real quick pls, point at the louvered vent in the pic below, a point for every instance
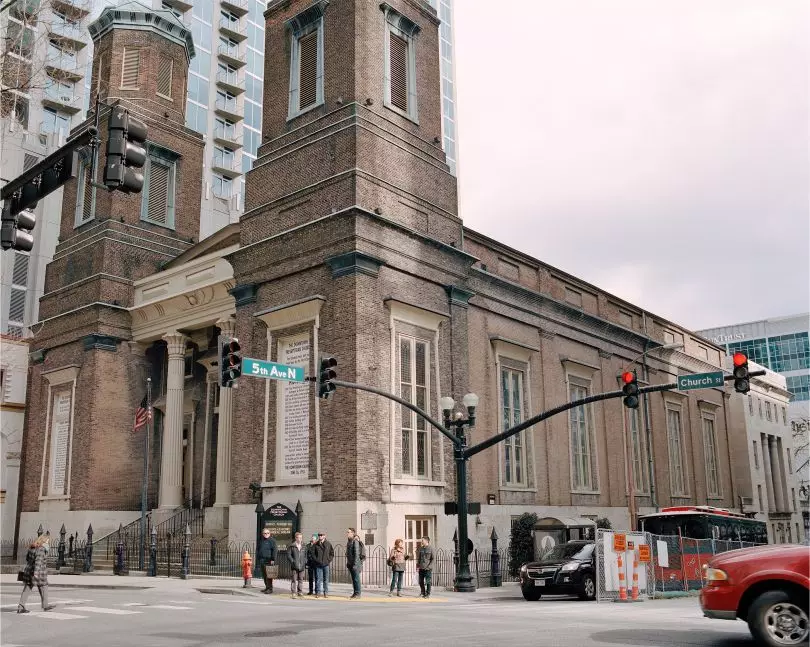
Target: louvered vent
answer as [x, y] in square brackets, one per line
[130, 68]
[87, 194]
[20, 273]
[29, 161]
[16, 305]
[309, 70]
[399, 72]
[158, 207]
[164, 79]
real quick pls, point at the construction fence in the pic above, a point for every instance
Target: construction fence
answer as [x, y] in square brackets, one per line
[675, 563]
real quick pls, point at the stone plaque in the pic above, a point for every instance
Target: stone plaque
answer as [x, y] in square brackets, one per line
[293, 421]
[368, 521]
[60, 434]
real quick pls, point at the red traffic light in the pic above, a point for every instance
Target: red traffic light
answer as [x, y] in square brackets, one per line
[628, 377]
[740, 359]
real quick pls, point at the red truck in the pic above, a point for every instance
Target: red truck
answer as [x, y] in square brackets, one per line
[766, 586]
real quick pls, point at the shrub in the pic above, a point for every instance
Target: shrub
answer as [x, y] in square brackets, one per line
[521, 542]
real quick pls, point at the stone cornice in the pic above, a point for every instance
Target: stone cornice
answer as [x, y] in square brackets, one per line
[354, 262]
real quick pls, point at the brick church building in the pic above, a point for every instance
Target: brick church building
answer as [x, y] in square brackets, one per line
[351, 244]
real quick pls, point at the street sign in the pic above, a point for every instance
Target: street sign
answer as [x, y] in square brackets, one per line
[619, 542]
[643, 553]
[272, 370]
[700, 381]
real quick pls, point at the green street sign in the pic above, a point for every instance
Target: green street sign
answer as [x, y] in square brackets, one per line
[700, 381]
[272, 370]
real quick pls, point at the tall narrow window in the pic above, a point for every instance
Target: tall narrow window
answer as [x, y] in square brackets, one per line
[675, 441]
[84, 195]
[164, 77]
[756, 456]
[514, 454]
[710, 452]
[306, 68]
[130, 68]
[157, 203]
[400, 63]
[414, 364]
[583, 458]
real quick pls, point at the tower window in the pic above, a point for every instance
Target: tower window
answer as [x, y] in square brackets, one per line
[130, 67]
[157, 203]
[164, 78]
[306, 68]
[400, 63]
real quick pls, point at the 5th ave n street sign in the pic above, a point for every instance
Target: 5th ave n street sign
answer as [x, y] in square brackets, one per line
[272, 370]
[700, 381]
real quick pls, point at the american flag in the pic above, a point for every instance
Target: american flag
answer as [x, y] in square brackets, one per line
[142, 414]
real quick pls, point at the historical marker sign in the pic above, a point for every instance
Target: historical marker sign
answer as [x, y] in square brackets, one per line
[282, 523]
[700, 381]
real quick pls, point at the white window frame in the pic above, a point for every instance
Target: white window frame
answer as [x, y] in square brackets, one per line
[587, 483]
[413, 428]
[709, 435]
[171, 203]
[683, 491]
[294, 107]
[416, 527]
[59, 381]
[401, 26]
[81, 187]
[518, 441]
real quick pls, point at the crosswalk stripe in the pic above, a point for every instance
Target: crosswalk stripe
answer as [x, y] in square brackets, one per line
[67, 601]
[169, 606]
[114, 612]
[134, 604]
[54, 615]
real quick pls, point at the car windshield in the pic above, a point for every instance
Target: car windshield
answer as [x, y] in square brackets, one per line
[570, 551]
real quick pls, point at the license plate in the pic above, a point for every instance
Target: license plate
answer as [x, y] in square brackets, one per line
[539, 582]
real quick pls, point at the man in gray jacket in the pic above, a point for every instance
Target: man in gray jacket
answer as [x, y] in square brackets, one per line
[424, 563]
[297, 555]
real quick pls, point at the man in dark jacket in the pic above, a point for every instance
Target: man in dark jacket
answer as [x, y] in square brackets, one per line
[297, 555]
[353, 562]
[311, 568]
[324, 554]
[424, 564]
[266, 556]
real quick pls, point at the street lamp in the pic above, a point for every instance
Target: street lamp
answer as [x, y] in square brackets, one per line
[464, 581]
[647, 431]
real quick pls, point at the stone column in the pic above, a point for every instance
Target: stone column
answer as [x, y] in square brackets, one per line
[766, 464]
[781, 480]
[775, 480]
[223, 488]
[171, 460]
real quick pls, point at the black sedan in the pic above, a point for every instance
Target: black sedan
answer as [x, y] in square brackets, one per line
[567, 569]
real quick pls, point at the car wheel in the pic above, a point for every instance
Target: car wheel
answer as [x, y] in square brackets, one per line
[588, 591]
[531, 595]
[776, 620]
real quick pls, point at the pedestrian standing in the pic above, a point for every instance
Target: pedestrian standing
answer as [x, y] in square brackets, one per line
[247, 569]
[424, 564]
[36, 573]
[298, 562]
[266, 554]
[354, 561]
[324, 554]
[396, 560]
[311, 568]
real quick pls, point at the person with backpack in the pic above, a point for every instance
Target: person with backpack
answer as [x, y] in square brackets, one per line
[396, 560]
[355, 554]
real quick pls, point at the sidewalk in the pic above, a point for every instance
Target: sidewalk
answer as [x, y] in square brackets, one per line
[233, 586]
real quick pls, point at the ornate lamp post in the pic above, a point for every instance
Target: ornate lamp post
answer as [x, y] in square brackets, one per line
[464, 581]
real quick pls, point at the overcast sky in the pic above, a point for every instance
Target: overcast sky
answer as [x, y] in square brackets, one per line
[642, 144]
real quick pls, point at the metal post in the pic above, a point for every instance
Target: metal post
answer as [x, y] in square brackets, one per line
[464, 581]
[39, 530]
[259, 512]
[70, 545]
[495, 577]
[168, 553]
[153, 554]
[60, 555]
[186, 554]
[213, 558]
[145, 484]
[455, 549]
[88, 551]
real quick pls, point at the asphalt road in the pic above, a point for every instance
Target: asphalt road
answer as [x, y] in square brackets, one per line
[146, 618]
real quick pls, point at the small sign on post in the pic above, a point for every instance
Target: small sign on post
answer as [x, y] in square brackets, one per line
[643, 553]
[619, 542]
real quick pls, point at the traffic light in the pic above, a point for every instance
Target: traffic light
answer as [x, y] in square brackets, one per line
[230, 362]
[126, 152]
[16, 230]
[630, 389]
[326, 374]
[741, 384]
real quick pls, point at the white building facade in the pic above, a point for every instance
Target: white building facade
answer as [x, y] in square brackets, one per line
[13, 381]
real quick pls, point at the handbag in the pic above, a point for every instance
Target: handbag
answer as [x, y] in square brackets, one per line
[390, 562]
[21, 575]
[271, 571]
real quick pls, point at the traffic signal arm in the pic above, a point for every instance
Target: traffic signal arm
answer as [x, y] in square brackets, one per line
[730, 377]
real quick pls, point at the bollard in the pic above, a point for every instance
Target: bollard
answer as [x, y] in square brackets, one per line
[121, 567]
[186, 554]
[153, 554]
[634, 590]
[622, 587]
[213, 558]
[495, 577]
[60, 554]
[88, 551]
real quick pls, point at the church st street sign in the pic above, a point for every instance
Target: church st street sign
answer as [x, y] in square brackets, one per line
[700, 381]
[272, 370]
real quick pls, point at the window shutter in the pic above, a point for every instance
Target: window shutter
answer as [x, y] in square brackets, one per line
[20, 273]
[399, 72]
[158, 206]
[16, 306]
[29, 161]
[164, 79]
[130, 68]
[87, 194]
[308, 79]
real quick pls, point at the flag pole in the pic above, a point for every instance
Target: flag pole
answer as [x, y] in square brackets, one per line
[145, 484]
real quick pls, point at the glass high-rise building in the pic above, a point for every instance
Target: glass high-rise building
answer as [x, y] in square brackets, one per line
[446, 41]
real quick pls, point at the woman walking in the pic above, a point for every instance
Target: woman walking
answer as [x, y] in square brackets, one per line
[36, 572]
[396, 560]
